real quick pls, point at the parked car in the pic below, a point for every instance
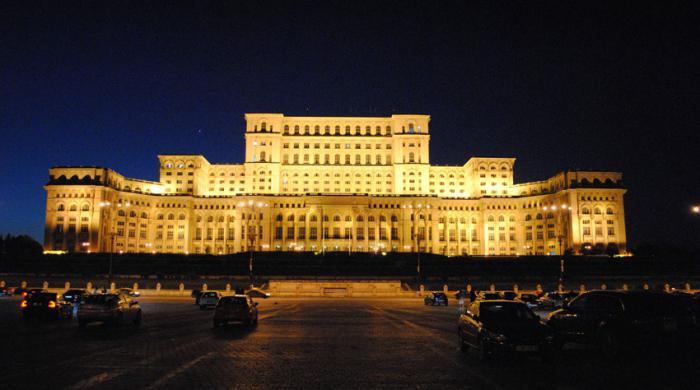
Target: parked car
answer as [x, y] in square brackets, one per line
[529, 299]
[257, 293]
[237, 308]
[617, 321]
[46, 305]
[5, 292]
[435, 298]
[19, 291]
[34, 291]
[503, 326]
[129, 292]
[75, 295]
[208, 299]
[509, 295]
[116, 308]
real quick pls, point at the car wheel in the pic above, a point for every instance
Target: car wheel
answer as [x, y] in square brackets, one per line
[484, 354]
[462, 345]
[609, 343]
[137, 319]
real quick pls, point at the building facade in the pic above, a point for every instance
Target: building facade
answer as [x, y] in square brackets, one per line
[334, 184]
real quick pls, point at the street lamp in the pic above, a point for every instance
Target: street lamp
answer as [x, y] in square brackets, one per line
[252, 237]
[564, 208]
[695, 209]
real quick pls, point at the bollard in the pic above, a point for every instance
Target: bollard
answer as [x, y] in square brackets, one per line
[645, 286]
[67, 285]
[625, 287]
[421, 290]
[560, 288]
[687, 287]
[2, 283]
[469, 288]
[444, 288]
[204, 287]
[492, 287]
[228, 287]
[603, 286]
[181, 287]
[582, 288]
[45, 285]
[23, 284]
[88, 287]
[515, 288]
[136, 287]
[667, 287]
[158, 286]
[539, 289]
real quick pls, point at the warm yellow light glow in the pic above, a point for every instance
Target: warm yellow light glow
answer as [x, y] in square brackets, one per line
[696, 209]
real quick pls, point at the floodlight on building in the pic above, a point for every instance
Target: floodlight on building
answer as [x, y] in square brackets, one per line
[696, 209]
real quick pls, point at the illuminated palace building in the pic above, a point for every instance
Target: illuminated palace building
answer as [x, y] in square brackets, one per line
[334, 184]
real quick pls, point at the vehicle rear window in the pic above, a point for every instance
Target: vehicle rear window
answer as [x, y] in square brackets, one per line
[42, 297]
[655, 305]
[100, 299]
[504, 311]
[233, 301]
[209, 295]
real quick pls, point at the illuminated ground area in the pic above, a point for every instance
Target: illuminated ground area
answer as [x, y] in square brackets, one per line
[321, 343]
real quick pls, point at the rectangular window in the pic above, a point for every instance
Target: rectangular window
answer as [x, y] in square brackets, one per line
[278, 233]
[290, 233]
[302, 233]
[210, 233]
[336, 232]
[348, 233]
[586, 231]
[198, 234]
[528, 236]
[312, 233]
[370, 233]
[231, 234]
[220, 233]
[611, 231]
[394, 233]
[360, 233]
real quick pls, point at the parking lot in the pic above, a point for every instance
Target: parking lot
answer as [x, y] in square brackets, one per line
[317, 343]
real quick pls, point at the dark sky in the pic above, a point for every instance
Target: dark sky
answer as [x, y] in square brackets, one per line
[557, 85]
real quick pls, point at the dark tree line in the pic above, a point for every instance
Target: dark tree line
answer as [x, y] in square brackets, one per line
[21, 245]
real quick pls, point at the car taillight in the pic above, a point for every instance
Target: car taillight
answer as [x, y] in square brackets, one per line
[24, 294]
[23, 304]
[52, 305]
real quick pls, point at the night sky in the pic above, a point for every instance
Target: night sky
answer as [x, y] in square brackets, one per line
[557, 85]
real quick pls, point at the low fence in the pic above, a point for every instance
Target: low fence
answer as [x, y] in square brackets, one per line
[344, 288]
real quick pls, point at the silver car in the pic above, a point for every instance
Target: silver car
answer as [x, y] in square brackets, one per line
[115, 309]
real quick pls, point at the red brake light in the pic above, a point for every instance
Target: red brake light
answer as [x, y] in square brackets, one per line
[23, 304]
[24, 294]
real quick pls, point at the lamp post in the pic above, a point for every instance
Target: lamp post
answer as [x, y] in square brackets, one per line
[560, 210]
[252, 237]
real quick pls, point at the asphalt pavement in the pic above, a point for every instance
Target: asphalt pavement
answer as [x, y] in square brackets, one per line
[298, 343]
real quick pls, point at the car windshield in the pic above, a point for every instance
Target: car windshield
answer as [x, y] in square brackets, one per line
[509, 295]
[504, 311]
[101, 299]
[492, 296]
[237, 301]
[42, 297]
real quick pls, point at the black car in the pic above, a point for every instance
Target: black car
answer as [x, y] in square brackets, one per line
[196, 294]
[503, 326]
[75, 295]
[4, 291]
[618, 321]
[436, 299]
[46, 305]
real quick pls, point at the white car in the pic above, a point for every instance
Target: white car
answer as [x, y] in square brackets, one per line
[208, 299]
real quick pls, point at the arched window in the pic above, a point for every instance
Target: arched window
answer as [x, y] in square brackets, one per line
[278, 218]
[286, 129]
[394, 218]
[73, 207]
[171, 217]
[336, 218]
[359, 218]
[370, 218]
[325, 218]
[411, 157]
[347, 159]
[490, 218]
[347, 130]
[60, 207]
[609, 211]
[379, 159]
[144, 215]
[585, 210]
[596, 211]
[160, 217]
[306, 129]
[296, 129]
[85, 207]
[388, 130]
[199, 218]
[302, 218]
[501, 218]
[210, 219]
[368, 130]
[262, 156]
[337, 130]
[290, 218]
[382, 218]
[348, 218]
[221, 218]
[132, 214]
[121, 213]
[357, 130]
[312, 218]
[410, 128]
[317, 130]
[538, 216]
[550, 215]
[263, 126]
[512, 218]
[528, 217]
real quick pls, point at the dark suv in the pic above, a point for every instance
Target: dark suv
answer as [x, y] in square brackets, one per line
[436, 298]
[618, 320]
